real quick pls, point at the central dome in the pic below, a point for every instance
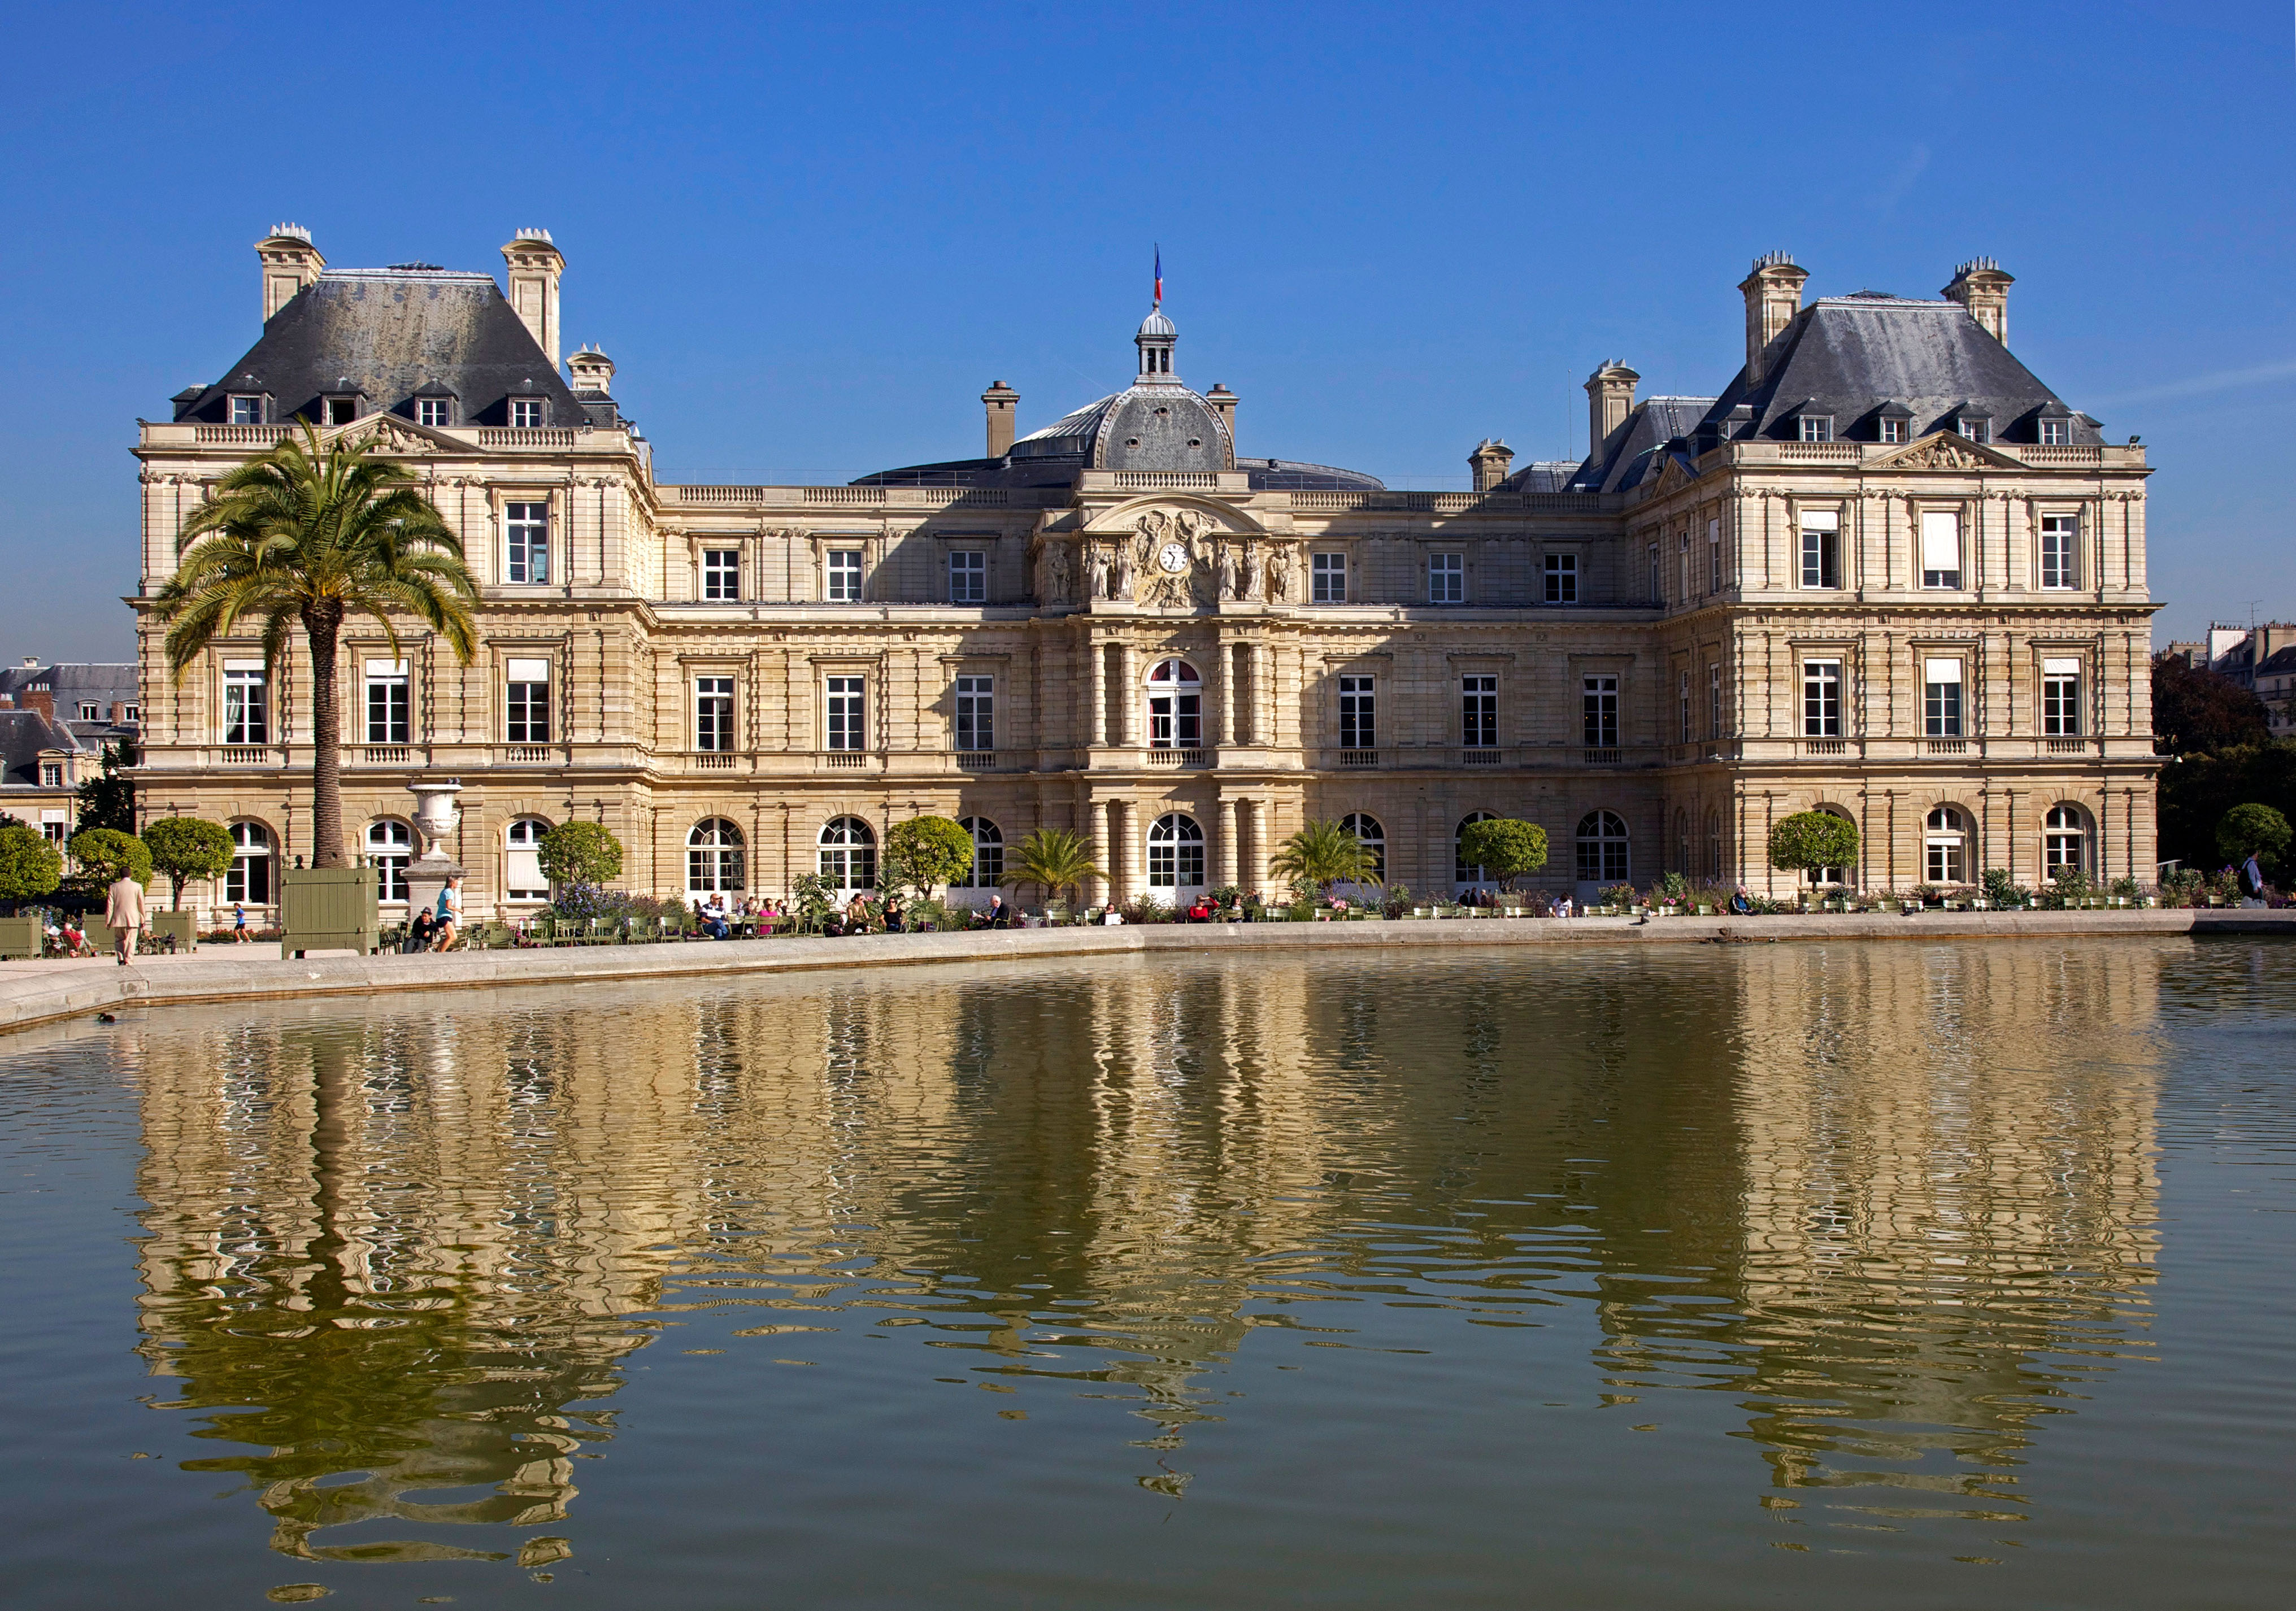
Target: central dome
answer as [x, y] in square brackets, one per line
[1146, 427]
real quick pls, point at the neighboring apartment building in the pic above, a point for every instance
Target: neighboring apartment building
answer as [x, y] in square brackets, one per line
[54, 723]
[2260, 658]
[1885, 572]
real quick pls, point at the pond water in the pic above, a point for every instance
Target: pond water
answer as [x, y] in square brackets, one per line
[1923, 1274]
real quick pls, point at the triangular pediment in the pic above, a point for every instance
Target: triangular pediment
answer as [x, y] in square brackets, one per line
[1674, 476]
[1946, 450]
[391, 434]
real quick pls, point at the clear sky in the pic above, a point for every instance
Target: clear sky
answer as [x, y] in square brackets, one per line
[810, 235]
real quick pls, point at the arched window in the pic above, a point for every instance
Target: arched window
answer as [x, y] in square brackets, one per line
[848, 855]
[389, 844]
[1176, 707]
[1831, 875]
[522, 879]
[2064, 843]
[1602, 847]
[1372, 837]
[1462, 872]
[249, 879]
[1176, 853]
[1946, 845]
[1714, 844]
[713, 858]
[987, 853]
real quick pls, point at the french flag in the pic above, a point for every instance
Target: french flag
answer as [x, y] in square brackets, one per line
[1159, 276]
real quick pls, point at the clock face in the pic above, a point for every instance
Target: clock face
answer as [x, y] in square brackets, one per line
[1174, 559]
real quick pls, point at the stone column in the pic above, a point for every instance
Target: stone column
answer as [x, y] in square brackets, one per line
[1229, 862]
[1223, 668]
[1128, 697]
[1254, 824]
[1123, 858]
[1096, 724]
[1261, 709]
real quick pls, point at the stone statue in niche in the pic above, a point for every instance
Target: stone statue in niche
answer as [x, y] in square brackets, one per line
[1120, 583]
[1096, 570]
[1254, 575]
[1279, 574]
[1226, 562]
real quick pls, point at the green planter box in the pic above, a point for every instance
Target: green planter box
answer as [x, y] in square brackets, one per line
[327, 909]
[20, 938]
[183, 925]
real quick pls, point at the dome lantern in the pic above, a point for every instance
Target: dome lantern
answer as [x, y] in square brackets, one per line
[1155, 339]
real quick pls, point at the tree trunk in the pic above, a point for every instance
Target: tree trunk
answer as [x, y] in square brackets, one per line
[322, 622]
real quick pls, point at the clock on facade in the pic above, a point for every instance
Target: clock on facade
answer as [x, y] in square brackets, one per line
[1174, 559]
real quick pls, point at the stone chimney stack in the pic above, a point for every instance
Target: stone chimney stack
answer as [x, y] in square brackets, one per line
[1223, 401]
[1610, 399]
[591, 370]
[535, 266]
[41, 698]
[1002, 402]
[289, 263]
[1979, 286]
[1489, 461]
[1773, 298]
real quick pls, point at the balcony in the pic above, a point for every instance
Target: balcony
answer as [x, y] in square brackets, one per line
[1486, 755]
[529, 436]
[525, 754]
[1826, 747]
[386, 754]
[976, 760]
[714, 760]
[1945, 746]
[845, 760]
[1604, 756]
[2066, 747]
[248, 755]
[1188, 760]
[1358, 757]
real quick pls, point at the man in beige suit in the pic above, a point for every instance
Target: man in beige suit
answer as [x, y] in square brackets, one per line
[123, 910]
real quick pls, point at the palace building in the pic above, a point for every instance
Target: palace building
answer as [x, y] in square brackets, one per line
[1885, 572]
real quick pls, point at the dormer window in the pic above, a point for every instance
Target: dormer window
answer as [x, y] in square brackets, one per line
[1893, 431]
[1818, 428]
[1977, 427]
[2056, 433]
[432, 410]
[526, 413]
[338, 410]
[246, 408]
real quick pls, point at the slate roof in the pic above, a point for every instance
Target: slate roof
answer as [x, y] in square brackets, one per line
[102, 684]
[1857, 359]
[23, 734]
[394, 332]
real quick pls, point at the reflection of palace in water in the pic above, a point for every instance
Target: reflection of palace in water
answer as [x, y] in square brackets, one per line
[400, 1260]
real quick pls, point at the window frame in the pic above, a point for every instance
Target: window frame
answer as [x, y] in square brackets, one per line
[974, 724]
[526, 414]
[987, 869]
[968, 575]
[721, 575]
[392, 723]
[1891, 432]
[1447, 578]
[844, 575]
[1180, 725]
[1612, 853]
[845, 854]
[845, 713]
[1945, 846]
[1945, 701]
[1815, 427]
[1561, 579]
[2060, 697]
[1940, 579]
[253, 850]
[248, 408]
[1820, 531]
[1327, 577]
[526, 540]
[713, 713]
[2058, 551]
[1478, 711]
[717, 858]
[1598, 710]
[1172, 857]
[1358, 710]
[1821, 697]
[246, 704]
[437, 413]
[2055, 433]
[390, 857]
[522, 724]
[529, 844]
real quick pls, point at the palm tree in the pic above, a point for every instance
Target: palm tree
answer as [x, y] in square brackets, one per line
[1050, 856]
[1324, 854]
[314, 532]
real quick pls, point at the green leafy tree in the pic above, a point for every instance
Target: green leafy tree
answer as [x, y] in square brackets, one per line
[580, 854]
[103, 855]
[2196, 791]
[1052, 857]
[2253, 827]
[30, 865]
[2199, 712]
[108, 799]
[317, 533]
[925, 853]
[184, 848]
[1811, 839]
[1506, 847]
[1324, 854]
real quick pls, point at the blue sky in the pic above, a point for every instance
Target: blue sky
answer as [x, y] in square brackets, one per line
[810, 235]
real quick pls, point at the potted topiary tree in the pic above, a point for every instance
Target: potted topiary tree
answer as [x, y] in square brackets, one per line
[184, 848]
[1811, 839]
[29, 868]
[1506, 847]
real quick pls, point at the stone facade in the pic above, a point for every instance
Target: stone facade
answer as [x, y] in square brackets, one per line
[1119, 626]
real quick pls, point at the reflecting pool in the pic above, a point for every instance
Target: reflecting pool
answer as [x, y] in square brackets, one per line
[1692, 1276]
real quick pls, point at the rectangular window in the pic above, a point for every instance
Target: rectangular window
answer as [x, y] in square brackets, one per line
[247, 411]
[1941, 549]
[1561, 579]
[1821, 698]
[713, 714]
[2060, 550]
[976, 713]
[721, 573]
[1714, 556]
[526, 701]
[1355, 713]
[1977, 427]
[246, 711]
[1685, 692]
[526, 413]
[528, 529]
[845, 576]
[1821, 548]
[340, 410]
[90, 711]
[2060, 686]
[431, 411]
[1893, 431]
[390, 703]
[1329, 571]
[1818, 428]
[968, 575]
[845, 722]
[1942, 698]
[2056, 433]
[52, 774]
[131, 712]
[1478, 712]
[1447, 578]
[1713, 699]
[1599, 706]
[55, 829]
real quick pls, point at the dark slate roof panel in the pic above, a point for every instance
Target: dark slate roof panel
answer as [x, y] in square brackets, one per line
[393, 331]
[23, 734]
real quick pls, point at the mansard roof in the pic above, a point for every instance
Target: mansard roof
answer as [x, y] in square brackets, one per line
[1635, 453]
[396, 333]
[23, 735]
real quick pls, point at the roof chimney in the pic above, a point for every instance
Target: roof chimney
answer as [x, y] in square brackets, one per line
[1001, 400]
[289, 263]
[535, 266]
[1489, 461]
[1223, 401]
[1979, 286]
[1773, 293]
[1610, 399]
[593, 370]
[40, 697]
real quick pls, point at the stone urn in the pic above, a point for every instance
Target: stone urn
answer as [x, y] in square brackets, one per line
[436, 815]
